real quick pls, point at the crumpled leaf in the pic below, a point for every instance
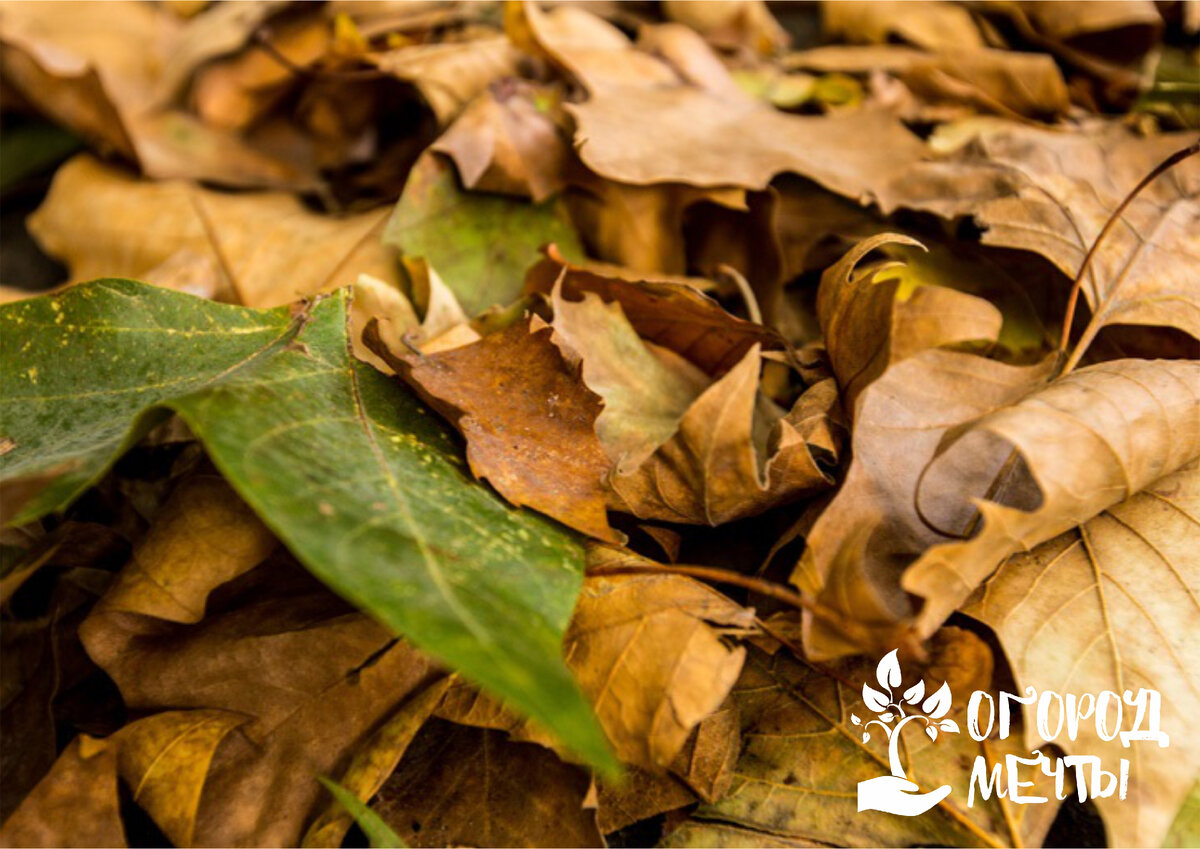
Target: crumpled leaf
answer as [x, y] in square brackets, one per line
[645, 654]
[645, 391]
[871, 529]
[1111, 605]
[77, 64]
[245, 382]
[528, 421]
[464, 786]
[733, 456]
[797, 775]
[479, 244]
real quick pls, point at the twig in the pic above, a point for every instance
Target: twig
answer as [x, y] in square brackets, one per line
[747, 293]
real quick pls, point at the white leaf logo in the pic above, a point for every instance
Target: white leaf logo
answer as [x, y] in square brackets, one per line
[914, 693]
[874, 699]
[888, 672]
[938, 705]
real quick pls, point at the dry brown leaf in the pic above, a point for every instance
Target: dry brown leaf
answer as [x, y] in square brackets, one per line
[464, 786]
[1112, 605]
[270, 248]
[645, 655]
[869, 320]
[505, 142]
[74, 805]
[639, 795]
[640, 227]
[164, 759]
[77, 64]
[690, 55]
[373, 763]
[203, 536]
[803, 757]
[645, 136]
[735, 24]
[1048, 463]
[708, 759]
[527, 419]
[1124, 29]
[932, 24]
[997, 81]
[314, 679]
[1051, 193]
[734, 455]
[451, 74]
[669, 312]
[644, 390]
[592, 51]
[871, 530]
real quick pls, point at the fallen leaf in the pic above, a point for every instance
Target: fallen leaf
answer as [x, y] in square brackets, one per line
[1051, 194]
[464, 786]
[932, 24]
[1110, 606]
[650, 663]
[245, 382]
[870, 319]
[479, 244]
[1048, 463]
[732, 24]
[729, 460]
[74, 805]
[688, 136]
[644, 391]
[164, 759]
[505, 142]
[528, 421]
[203, 536]
[267, 246]
[372, 765]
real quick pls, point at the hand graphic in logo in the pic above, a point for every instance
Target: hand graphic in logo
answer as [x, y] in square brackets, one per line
[895, 793]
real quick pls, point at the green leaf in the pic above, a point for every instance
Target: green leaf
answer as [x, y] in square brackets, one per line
[378, 832]
[1185, 831]
[480, 244]
[364, 485]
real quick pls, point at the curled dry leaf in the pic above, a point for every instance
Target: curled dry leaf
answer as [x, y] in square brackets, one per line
[733, 455]
[870, 320]
[1111, 605]
[931, 24]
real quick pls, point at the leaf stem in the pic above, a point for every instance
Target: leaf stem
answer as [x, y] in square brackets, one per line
[1094, 325]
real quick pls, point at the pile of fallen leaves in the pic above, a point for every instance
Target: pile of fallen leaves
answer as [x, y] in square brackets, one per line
[531, 424]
